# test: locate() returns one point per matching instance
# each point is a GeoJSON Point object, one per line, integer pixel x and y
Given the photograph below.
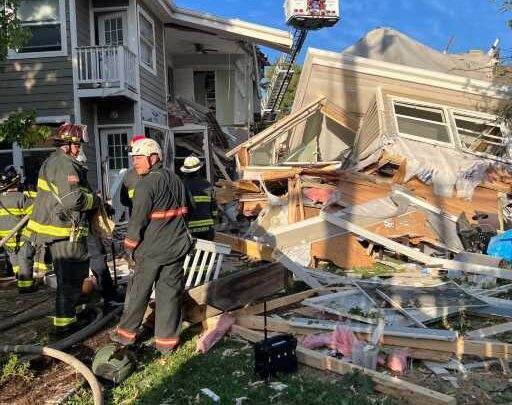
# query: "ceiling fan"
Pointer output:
{"type": "Point", "coordinates": [201, 49]}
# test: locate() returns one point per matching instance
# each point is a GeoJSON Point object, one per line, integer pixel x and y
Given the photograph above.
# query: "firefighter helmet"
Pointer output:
{"type": "Point", "coordinates": [146, 147]}
{"type": "Point", "coordinates": [135, 139]}
{"type": "Point", "coordinates": [9, 177]}
{"type": "Point", "coordinates": [70, 133]}
{"type": "Point", "coordinates": [191, 164]}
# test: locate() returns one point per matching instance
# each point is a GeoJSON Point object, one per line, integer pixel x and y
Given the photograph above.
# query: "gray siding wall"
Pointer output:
{"type": "Point", "coordinates": [83, 23]}
{"type": "Point", "coordinates": [152, 87]}
{"type": "Point", "coordinates": [44, 85]}
{"type": "Point", "coordinates": [87, 112]}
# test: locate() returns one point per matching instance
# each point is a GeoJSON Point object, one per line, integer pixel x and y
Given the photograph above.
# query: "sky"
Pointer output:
{"type": "Point", "coordinates": [475, 24]}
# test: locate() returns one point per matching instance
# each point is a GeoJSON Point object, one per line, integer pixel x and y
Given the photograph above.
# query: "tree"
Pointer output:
{"type": "Point", "coordinates": [12, 33]}
{"type": "Point", "coordinates": [20, 126]}
{"type": "Point", "coordinates": [506, 110]}
{"type": "Point", "coordinates": [289, 96]}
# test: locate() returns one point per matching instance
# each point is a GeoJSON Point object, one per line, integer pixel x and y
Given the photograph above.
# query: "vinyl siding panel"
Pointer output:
{"type": "Point", "coordinates": [41, 84]}
{"type": "Point", "coordinates": [87, 113]}
{"type": "Point", "coordinates": [152, 87]}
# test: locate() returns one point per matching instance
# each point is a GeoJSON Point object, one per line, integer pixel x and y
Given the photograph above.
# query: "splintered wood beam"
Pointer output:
{"type": "Point", "coordinates": [490, 331]}
{"type": "Point", "coordinates": [402, 390]}
{"type": "Point", "coordinates": [245, 246]}
{"type": "Point", "coordinates": [460, 346]}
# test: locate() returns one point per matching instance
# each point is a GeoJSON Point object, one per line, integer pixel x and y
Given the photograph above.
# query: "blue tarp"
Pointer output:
{"type": "Point", "coordinates": [501, 246]}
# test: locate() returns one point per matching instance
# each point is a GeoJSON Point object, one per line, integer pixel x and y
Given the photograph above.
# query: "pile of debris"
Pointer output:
{"type": "Point", "coordinates": [430, 228]}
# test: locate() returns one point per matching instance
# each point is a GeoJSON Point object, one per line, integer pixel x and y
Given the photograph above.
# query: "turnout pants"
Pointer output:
{"type": "Point", "coordinates": [169, 286]}
{"type": "Point", "coordinates": [71, 267]}
{"type": "Point", "coordinates": [99, 267]}
{"type": "Point", "coordinates": [205, 235]}
{"type": "Point", "coordinates": [22, 261]}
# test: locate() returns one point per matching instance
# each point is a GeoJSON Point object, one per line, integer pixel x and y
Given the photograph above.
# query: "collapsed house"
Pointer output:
{"type": "Point", "coordinates": [387, 119]}
{"type": "Point", "coordinates": [393, 155]}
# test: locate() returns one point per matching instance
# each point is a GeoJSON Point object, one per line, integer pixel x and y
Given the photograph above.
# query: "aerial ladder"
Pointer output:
{"type": "Point", "coordinates": [281, 77]}
{"type": "Point", "coordinates": [302, 16]}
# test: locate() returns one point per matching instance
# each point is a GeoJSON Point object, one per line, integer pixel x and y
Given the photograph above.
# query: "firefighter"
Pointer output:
{"type": "Point", "coordinates": [157, 241]}
{"type": "Point", "coordinates": [130, 180]}
{"type": "Point", "coordinates": [14, 205]}
{"type": "Point", "coordinates": [59, 221]}
{"type": "Point", "coordinates": [203, 216]}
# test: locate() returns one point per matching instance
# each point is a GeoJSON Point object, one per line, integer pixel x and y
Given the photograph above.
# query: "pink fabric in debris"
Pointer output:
{"type": "Point", "coordinates": [341, 339]}
{"type": "Point", "coordinates": [397, 360]}
{"type": "Point", "coordinates": [213, 335]}
{"type": "Point", "coordinates": [318, 194]}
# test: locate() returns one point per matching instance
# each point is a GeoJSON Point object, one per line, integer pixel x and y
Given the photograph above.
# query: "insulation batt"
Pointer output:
{"type": "Point", "coordinates": [397, 360]}
{"type": "Point", "coordinates": [318, 194]}
{"type": "Point", "coordinates": [213, 335]}
{"type": "Point", "coordinates": [341, 339]}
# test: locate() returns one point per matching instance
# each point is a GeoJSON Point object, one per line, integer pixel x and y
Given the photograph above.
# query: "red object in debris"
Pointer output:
{"type": "Point", "coordinates": [212, 336]}
{"type": "Point", "coordinates": [397, 360]}
{"type": "Point", "coordinates": [318, 194]}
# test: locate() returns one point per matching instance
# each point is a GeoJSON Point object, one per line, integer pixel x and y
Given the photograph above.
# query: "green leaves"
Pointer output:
{"type": "Point", "coordinates": [12, 34]}
{"type": "Point", "coordinates": [20, 127]}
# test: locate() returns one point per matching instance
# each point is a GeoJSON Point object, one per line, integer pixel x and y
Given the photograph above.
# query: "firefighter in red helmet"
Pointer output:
{"type": "Point", "coordinates": [59, 220]}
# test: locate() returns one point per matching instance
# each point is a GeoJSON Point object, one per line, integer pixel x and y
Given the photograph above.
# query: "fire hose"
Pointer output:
{"type": "Point", "coordinates": [66, 358]}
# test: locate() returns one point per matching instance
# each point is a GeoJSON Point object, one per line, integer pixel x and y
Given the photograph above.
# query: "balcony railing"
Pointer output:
{"type": "Point", "coordinates": [106, 67]}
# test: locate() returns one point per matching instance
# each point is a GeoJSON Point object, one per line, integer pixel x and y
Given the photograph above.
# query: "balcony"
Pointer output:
{"type": "Point", "coordinates": [106, 71]}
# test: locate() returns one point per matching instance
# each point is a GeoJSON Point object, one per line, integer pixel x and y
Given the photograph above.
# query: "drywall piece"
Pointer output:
{"type": "Point", "coordinates": [450, 365]}
{"type": "Point", "coordinates": [397, 306]}
{"type": "Point", "coordinates": [490, 331]}
{"type": "Point", "coordinates": [402, 390]}
{"type": "Point", "coordinates": [437, 370]}
{"type": "Point", "coordinates": [389, 330]}
{"type": "Point", "coordinates": [447, 231]}
{"type": "Point", "coordinates": [299, 271]}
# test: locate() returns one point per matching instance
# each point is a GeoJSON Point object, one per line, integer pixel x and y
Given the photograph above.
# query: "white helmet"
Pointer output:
{"type": "Point", "coordinates": [192, 164]}
{"type": "Point", "coordinates": [146, 147]}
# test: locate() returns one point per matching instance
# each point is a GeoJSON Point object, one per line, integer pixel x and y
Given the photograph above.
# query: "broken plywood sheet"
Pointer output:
{"type": "Point", "coordinates": [443, 296]}
{"type": "Point", "coordinates": [344, 251]}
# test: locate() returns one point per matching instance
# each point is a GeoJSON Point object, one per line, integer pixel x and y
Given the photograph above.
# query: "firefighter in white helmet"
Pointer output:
{"type": "Point", "coordinates": [158, 241]}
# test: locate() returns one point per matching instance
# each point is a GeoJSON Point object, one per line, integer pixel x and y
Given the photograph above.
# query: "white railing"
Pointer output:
{"type": "Point", "coordinates": [106, 66]}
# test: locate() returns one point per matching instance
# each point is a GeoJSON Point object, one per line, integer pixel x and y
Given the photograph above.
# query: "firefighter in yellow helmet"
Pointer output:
{"type": "Point", "coordinates": [203, 215]}
{"type": "Point", "coordinates": [59, 220]}
{"type": "Point", "coordinates": [14, 205]}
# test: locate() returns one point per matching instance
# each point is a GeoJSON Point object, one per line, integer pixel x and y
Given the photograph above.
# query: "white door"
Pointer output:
{"type": "Point", "coordinates": [112, 29]}
{"type": "Point", "coordinates": [112, 33]}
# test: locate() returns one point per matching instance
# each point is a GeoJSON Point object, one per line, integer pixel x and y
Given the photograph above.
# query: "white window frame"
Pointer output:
{"type": "Point", "coordinates": [419, 104]}
{"type": "Point", "coordinates": [47, 54]}
{"type": "Point", "coordinates": [151, 68]}
{"type": "Point", "coordinates": [489, 119]}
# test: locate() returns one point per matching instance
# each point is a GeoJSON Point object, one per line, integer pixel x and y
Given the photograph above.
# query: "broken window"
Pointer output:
{"type": "Point", "coordinates": [422, 122]}
{"type": "Point", "coordinates": [480, 135]}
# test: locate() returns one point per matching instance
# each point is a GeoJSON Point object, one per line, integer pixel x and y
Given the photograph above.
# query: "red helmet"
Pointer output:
{"type": "Point", "coordinates": [134, 140]}
{"type": "Point", "coordinates": [70, 133]}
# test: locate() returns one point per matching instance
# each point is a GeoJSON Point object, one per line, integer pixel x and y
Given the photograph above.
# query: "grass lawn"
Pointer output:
{"type": "Point", "coordinates": [227, 370]}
